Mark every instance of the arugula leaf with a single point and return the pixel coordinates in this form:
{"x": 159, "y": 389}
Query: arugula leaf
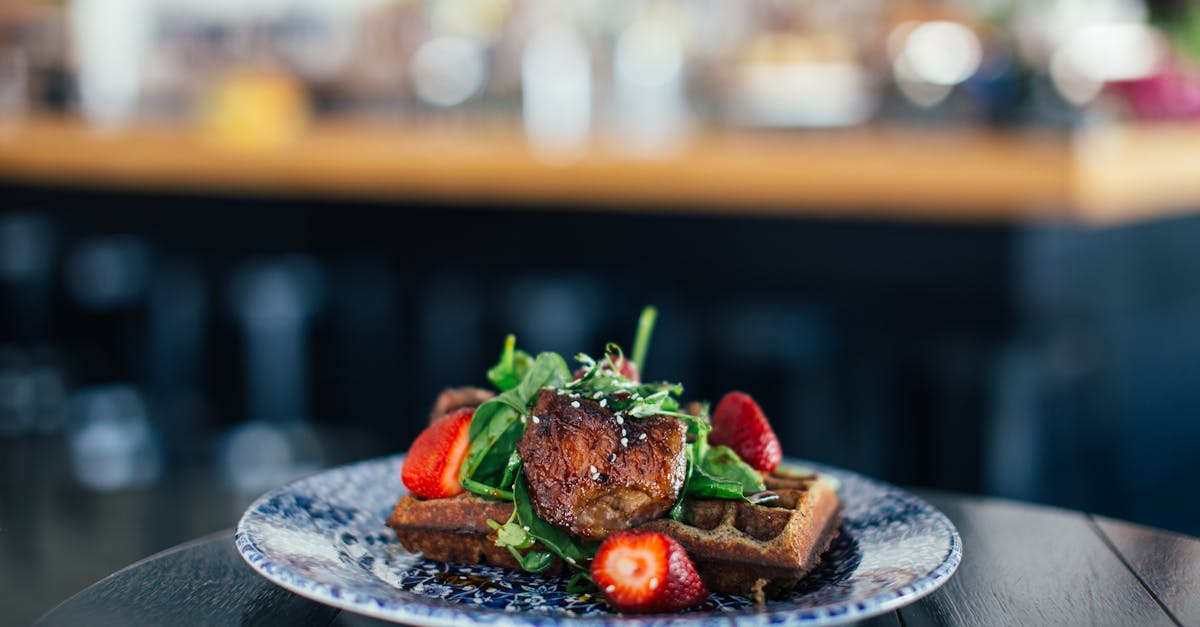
{"x": 489, "y": 467}
{"x": 574, "y": 551}
{"x": 512, "y": 366}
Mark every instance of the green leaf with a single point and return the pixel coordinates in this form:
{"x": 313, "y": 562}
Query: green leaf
{"x": 512, "y": 535}
{"x": 512, "y": 366}
{"x": 575, "y": 551}
{"x": 581, "y": 583}
{"x": 488, "y": 467}
{"x": 641, "y": 341}
{"x": 723, "y": 463}
{"x": 703, "y": 484}
{"x": 535, "y": 561}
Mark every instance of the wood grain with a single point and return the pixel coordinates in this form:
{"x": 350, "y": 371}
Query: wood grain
{"x": 201, "y": 582}
{"x": 1167, "y": 563}
{"x": 891, "y": 173}
{"x": 1100, "y": 176}
{"x": 1025, "y": 565}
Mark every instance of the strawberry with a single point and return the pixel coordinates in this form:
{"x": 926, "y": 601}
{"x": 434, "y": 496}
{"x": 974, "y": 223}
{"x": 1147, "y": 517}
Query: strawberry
{"x": 645, "y": 571}
{"x": 431, "y": 469}
{"x": 740, "y": 424}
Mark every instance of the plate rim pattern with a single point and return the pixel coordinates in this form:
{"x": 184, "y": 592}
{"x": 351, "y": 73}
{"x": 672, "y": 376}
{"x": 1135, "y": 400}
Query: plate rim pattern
{"x": 438, "y": 613}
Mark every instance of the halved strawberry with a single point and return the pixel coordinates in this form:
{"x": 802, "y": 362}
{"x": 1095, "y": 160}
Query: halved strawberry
{"x": 641, "y": 572}
{"x": 431, "y": 469}
{"x": 740, "y": 424}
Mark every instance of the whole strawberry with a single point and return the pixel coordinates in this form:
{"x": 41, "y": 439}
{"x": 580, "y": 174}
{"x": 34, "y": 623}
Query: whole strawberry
{"x": 642, "y": 572}
{"x": 740, "y": 424}
{"x": 431, "y": 469}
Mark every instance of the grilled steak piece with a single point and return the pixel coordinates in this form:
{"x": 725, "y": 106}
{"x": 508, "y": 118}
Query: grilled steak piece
{"x": 591, "y": 472}
{"x": 456, "y": 398}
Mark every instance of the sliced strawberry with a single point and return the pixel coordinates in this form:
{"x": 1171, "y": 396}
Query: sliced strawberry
{"x": 740, "y": 424}
{"x": 641, "y": 572}
{"x": 431, "y": 469}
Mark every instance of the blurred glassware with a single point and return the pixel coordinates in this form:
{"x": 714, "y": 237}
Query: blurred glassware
{"x": 26, "y": 261}
{"x": 649, "y": 87}
{"x": 556, "y": 91}
{"x": 110, "y": 40}
{"x": 113, "y": 445}
{"x": 257, "y": 456}
{"x": 274, "y": 302}
{"x": 26, "y": 247}
{"x": 14, "y": 87}
{"x": 448, "y": 70}
{"x": 107, "y": 273}
{"x": 930, "y": 58}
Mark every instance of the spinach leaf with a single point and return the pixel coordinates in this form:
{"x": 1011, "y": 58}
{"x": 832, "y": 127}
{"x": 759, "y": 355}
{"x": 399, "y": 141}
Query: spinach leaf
{"x": 512, "y": 535}
{"x": 511, "y": 368}
{"x": 723, "y": 463}
{"x": 488, "y": 467}
{"x": 575, "y": 551}
{"x": 581, "y": 583}
{"x": 714, "y": 471}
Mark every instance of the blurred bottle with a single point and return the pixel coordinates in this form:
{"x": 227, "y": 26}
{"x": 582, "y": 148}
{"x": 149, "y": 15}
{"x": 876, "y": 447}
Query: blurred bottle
{"x": 110, "y": 40}
{"x": 556, "y": 91}
{"x": 650, "y": 99}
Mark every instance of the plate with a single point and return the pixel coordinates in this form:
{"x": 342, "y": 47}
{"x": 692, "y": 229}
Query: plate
{"x": 323, "y": 537}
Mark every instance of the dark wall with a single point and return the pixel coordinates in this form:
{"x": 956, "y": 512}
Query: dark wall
{"x": 920, "y": 353}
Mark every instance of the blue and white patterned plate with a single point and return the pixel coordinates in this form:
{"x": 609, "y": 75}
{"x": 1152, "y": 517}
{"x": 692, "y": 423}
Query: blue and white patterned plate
{"x": 323, "y": 537}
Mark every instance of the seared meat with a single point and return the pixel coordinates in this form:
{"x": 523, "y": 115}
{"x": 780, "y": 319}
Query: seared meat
{"x": 456, "y": 398}
{"x": 591, "y": 472}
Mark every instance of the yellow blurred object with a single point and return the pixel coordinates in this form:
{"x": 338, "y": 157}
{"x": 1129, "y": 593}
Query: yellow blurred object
{"x": 256, "y": 110}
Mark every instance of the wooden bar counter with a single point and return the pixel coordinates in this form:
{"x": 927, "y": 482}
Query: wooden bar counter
{"x": 1103, "y": 176}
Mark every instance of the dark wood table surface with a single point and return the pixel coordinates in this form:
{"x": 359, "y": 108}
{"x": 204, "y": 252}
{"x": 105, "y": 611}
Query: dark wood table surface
{"x": 1023, "y": 565}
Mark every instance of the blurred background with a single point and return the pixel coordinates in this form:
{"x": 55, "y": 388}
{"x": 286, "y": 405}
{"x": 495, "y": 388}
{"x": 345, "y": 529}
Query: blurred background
{"x": 949, "y": 243}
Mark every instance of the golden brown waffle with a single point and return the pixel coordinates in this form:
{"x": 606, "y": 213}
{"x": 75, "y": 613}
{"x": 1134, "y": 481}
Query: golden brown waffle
{"x": 759, "y": 551}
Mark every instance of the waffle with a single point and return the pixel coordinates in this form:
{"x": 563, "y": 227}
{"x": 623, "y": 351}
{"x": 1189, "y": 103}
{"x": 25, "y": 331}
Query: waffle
{"x": 760, "y": 551}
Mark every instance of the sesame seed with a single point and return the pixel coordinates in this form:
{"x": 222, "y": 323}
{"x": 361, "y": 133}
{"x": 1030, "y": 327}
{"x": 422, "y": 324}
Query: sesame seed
{"x": 654, "y": 583}
{"x": 593, "y": 469}
{"x": 604, "y": 402}
{"x": 623, "y": 432}
{"x": 620, "y": 419}
{"x": 597, "y": 395}
{"x": 526, "y": 527}
{"x": 642, "y": 436}
{"x": 624, "y": 442}
{"x": 575, "y": 404}
{"x": 571, "y": 560}
{"x": 522, "y": 419}
{"x": 610, "y": 589}
{"x": 612, "y": 457}
{"x": 535, "y": 420}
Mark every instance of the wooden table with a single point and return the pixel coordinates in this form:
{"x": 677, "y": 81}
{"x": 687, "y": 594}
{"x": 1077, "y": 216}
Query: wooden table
{"x": 1100, "y": 176}
{"x": 1023, "y": 565}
